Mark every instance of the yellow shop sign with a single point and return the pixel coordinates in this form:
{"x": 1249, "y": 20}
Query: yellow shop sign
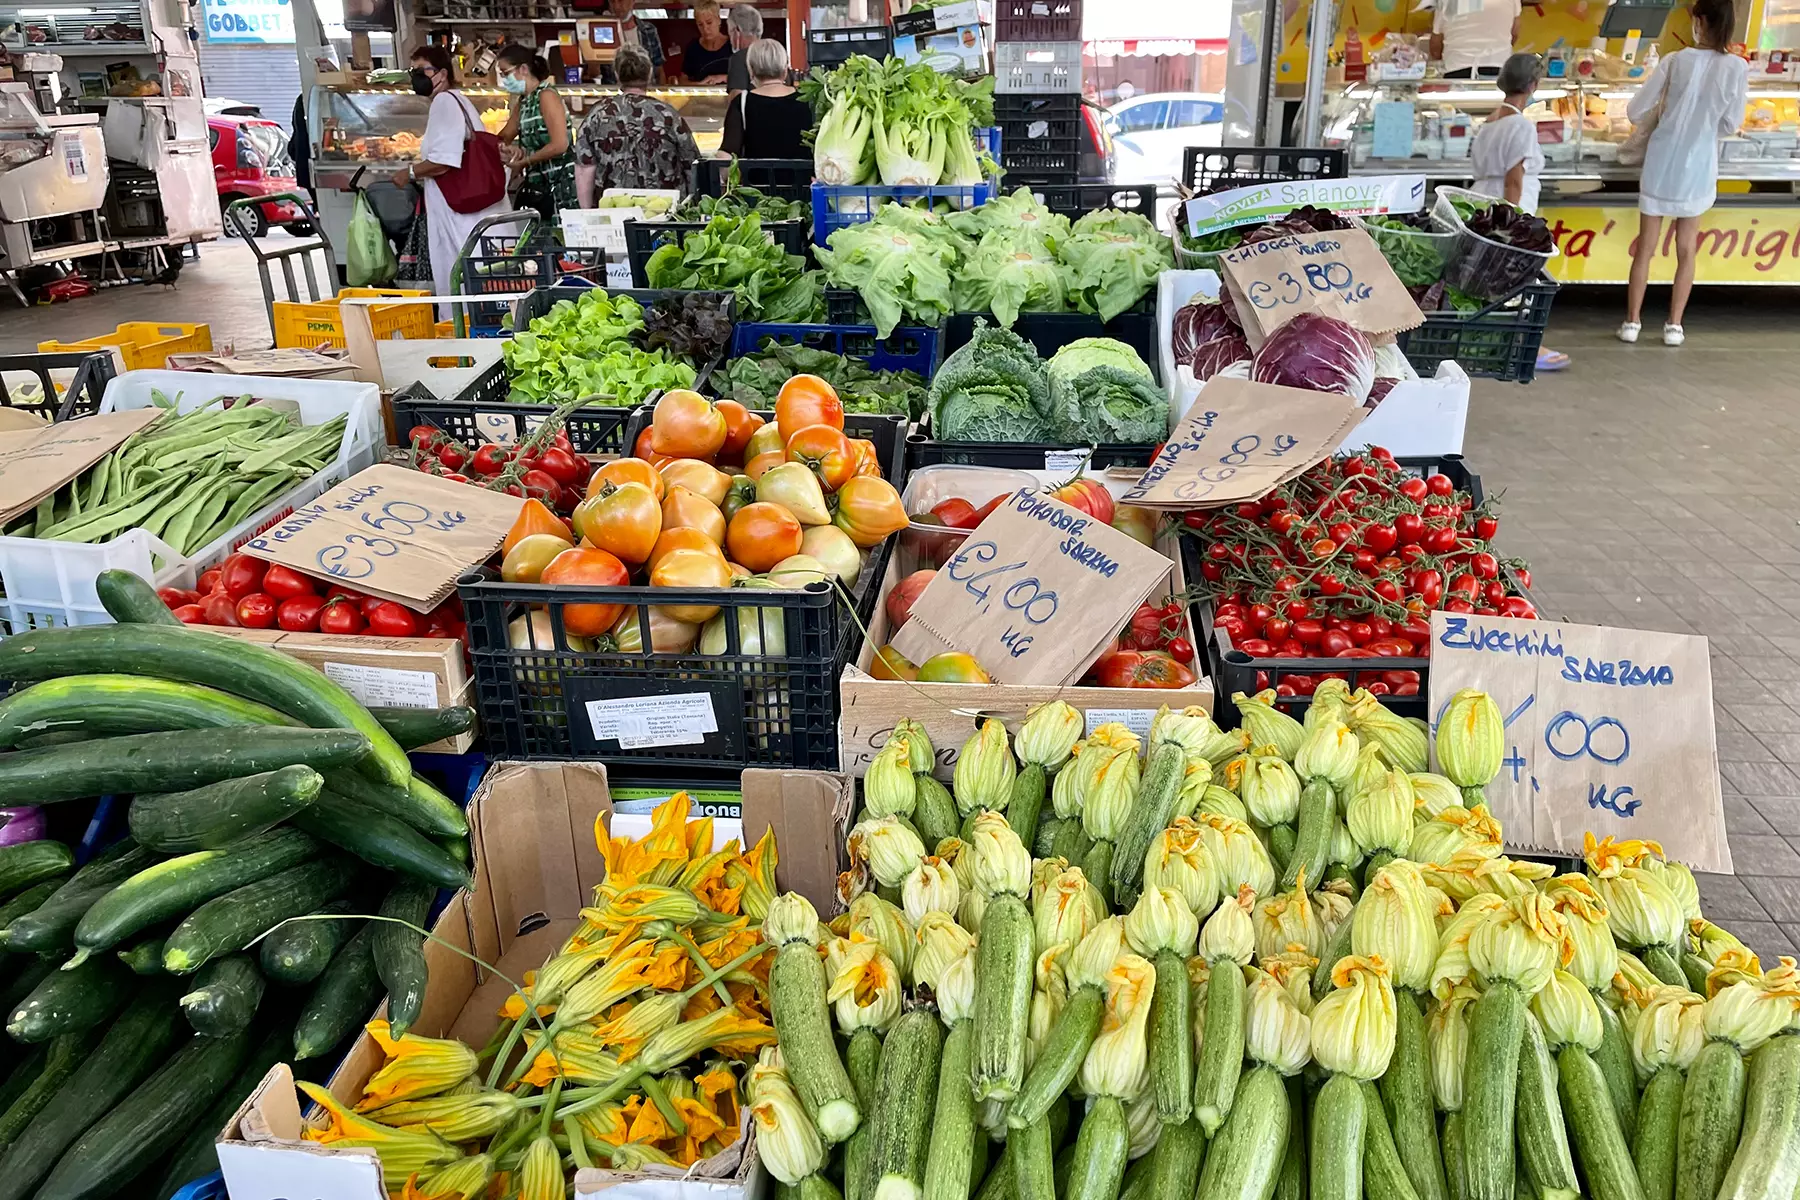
{"x": 1738, "y": 244}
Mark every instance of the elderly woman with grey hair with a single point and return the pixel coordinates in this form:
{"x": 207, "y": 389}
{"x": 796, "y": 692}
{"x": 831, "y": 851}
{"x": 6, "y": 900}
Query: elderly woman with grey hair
{"x": 770, "y": 119}
{"x": 630, "y": 139}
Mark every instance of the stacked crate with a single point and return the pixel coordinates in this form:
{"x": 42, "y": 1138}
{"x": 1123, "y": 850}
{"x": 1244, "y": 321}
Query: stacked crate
{"x": 1037, "y": 90}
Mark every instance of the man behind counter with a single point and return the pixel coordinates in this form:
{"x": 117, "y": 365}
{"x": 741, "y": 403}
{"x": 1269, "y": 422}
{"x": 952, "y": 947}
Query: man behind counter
{"x": 644, "y": 34}
{"x": 746, "y": 27}
{"x": 1474, "y": 37}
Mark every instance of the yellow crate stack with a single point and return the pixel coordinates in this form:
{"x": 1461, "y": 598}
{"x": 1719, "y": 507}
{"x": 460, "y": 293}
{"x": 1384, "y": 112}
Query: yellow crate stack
{"x": 310, "y": 326}
{"x": 144, "y": 345}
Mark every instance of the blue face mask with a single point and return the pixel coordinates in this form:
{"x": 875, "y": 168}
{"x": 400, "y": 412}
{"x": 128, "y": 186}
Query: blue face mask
{"x": 513, "y": 84}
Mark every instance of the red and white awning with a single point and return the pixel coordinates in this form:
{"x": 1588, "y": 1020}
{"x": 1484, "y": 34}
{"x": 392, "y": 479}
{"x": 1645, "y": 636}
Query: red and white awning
{"x": 1151, "y": 28}
{"x": 1156, "y": 47}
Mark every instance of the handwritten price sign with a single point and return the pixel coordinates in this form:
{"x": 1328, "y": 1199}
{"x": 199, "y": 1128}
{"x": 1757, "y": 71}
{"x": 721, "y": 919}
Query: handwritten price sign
{"x": 1608, "y": 730}
{"x": 394, "y": 533}
{"x": 1240, "y": 440}
{"x": 1340, "y": 273}
{"x": 1037, "y": 591}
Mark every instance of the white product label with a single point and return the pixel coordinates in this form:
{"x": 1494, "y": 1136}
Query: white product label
{"x": 1066, "y": 460}
{"x": 384, "y": 686}
{"x": 637, "y": 824}
{"x": 641, "y": 722}
{"x": 1135, "y": 719}
{"x": 74, "y": 158}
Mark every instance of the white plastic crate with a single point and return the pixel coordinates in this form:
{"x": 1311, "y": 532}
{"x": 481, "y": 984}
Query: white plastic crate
{"x": 52, "y": 583}
{"x": 1044, "y": 68}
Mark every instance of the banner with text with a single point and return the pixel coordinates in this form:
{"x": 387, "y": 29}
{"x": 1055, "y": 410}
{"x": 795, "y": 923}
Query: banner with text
{"x": 1363, "y": 196}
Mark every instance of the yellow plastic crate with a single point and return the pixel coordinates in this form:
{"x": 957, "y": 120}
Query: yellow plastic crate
{"x": 309, "y": 326}
{"x": 144, "y": 345}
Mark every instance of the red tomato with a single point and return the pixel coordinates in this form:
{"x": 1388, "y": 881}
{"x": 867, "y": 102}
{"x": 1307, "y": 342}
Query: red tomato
{"x": 489, "y": 460}
{"x": 209, "y": 580}
{"x": 1308, "y": 632}
{"x": 1334, "y": 643}
{"x": 1387, "y": 590}
{"x": 1486, "y": 527}
{"x": 1378, "y": 688}
{"x": 956, "y": 512}
{"x": 1303, "y": 685}
{"x": 981, "y": 514}
{"x": 1390, "y": 647}
{"x": 341, "y": 616}
{"x": 1494, "y": 592}
{"x": 219, "y": 609}
{"x": 256, "y": 611}
{"x": 1234, "y": 629}
{"x": 1439, "y": 485}
{"x": 1441, "y": 540}
{"x": 1181, "y": 650}
{"x": 1360, "y": 633}
{"x": 1414, "y": 489}
{"x": 1409, "y": 527}
{"x": 562, "y": 466}
{"x": 1518, "y": 606}
{"x": 1255, "y": 648}
{"x": 240, "y": 575}
{"x": 1141, "y": 669}
{"x": 1278, "y": 629}
{"x": 388, "y": 619}
{"x": 1466, "y": 586}
{"x": 1458, "y": 605}
{"x": 348, "y": 593}
{"x": 424, "y": 437}
{"x": 282, "y": 582}
{"x": 1257, "y": 616}
{"x": 1485, "y": 565}
{"x": 191, "y": 614}
{"x": 176, "y": 597}
{"x": 1297, "y": 610}
{"x": 299, "y": 614}
{"x": 452, "y": 456}
{"x": 1379, "y": 538}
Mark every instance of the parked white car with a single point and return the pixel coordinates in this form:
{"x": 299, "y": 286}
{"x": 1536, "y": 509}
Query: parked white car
{"x": 1152, "y": 132}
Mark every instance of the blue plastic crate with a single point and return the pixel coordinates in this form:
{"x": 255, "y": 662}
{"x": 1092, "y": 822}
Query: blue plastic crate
{"x": 906, "y": 349}
{"x": 835, "y": 206}
{"x": 209, "y": 1187}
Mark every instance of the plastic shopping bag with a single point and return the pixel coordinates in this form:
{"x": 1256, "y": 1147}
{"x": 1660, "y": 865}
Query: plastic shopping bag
{"x": 371, "y": 260}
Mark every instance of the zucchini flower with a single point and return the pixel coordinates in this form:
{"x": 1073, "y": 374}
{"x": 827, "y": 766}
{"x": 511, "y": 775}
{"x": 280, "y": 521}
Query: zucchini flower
{"x": 1065, "y": 787}
{"x": 470, "y": 1117}
{"x": 1596, "y": 957}
{"x": 1002, "y": 864}
{"x": 1334, "y": 695}
{"x": 1668, "y": 1030}
{"x": 985, "y": 770}
{"x": 1221, "y": 802}
{"x": 1680, "y": 882}
{"x": 1230, "y": 934}
{"x": 864, "y": 985}
{"x": 1117, "y": 1063}
{"x": 1634, "y": 976}
{"x": 1333, "y": 901}
{"x": 1380, "y": 818}
{"x": 1199, "y": 982}
{"x": 1287, "y": 919}
{"x": 730, "y": 1031}
{"x": 1196, "y": 783}
{"x": 416, "y": 1066}
{"x": 1049, "y": 994}
{"x": 955, "y": 990}
{"x": 1467, "y": 875}
{"x": 1432, "y": 794}
{"x": 1178, "y": 859}
{"x": 1192, "y": 729}
{"x": 1049, "y": 735}
{"x": 1064, "y": 909}
{"x": 403, "y": 1152}
{"x": 1453, "y": 831}
{"x": 1237, "y": 854}
{"x": 889, "y": 788}
{"x": 1094, "y": 955}
{"x": 1402, "y": 742}
{"x": 463, "y": 1180}
{"x": 785, "y": 1138}
{"x": 1713, "y": 940}
{"x": 890, "y": 847}
{"x": 1276, "y": 1032}
{"x": 1161, "y": 921}
{"x": 1394, "y": 922}
{"x": 1143, "y": 1128}
{"x": 1734, "y": 966}
{"x": 1453, "y": 965}
{"x": 1643, "y": 911}
{"x": 1329, "y": 752}
{"x": 1747, "y": 1014}
{"x": 930, "y": 887}
{"x": 541, "y": 1171}
{"x": 753, "y": 875}
{"x": 1568, "y": 1012}
{"x": 1293, "y": 970}
{"x": 1370, "y": 770}
{"x": 791, "y": 918}
{"x": 938, "y": 942}
{"x": 1447, "y": 1037}
{"x": 1354, "y": 1025}
{"x": 1268, "y": 786}
{"x": 1521, "y": 944}
{"x": 1268, "y": 725}
{"x": 1342, "y": 850}
{"x": 1471, "y": 741}
{"x": 1110, "y": 772}
{"x": 873, "y": 919}
{"x": 918, "y": 745}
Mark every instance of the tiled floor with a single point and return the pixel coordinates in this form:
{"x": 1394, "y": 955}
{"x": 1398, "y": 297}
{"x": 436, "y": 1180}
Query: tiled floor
{"x": 1655, "y": 488}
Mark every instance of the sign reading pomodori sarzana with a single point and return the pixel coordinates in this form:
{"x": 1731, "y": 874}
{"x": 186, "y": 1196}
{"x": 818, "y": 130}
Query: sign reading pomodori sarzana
{"x": 1737, "y": 244}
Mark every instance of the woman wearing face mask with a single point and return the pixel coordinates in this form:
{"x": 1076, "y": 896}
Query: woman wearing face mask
{"x": 541, "y": 152}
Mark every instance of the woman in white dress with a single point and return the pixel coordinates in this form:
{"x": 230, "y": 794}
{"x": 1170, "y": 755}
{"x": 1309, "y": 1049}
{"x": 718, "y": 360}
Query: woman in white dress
{"x": 1702, "y": 92}
{"x": 452, "y": 119}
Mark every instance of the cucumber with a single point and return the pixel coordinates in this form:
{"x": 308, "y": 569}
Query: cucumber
{"x": 299, "y": 951}
{"x": 1406, "y": 1089}
{"x": 399, "y": 952}
{"x": 1338, "y": 947}
{"x": 905, "y": 1091}
{"x": 1599, "y": 1142}
{"x": 345, "y": 997}
{"x": 1175, "y": 1161}
{"x": 1281, "y": 845}
{"x": 214, "y": 816}
{"x": 162, "y": 762}
{"x": 144, "y": 957}
{"x": 1456, "y": 1173}
{"x": 232, "y": 921}
{"x": 30, "y": 863}
{"x": 71, "y": 1000}
{"x": 26, "y": 974}
{"x": 863, "y": 1060}
{"x": 66, "y": 1054}
{"x": 1059, "y": 1058}
{"x": 1072, "y": 843}
{"x": 418, "y": 804}
{"x": 191, "y": 655}
{"x": 28, "y": 901}
{"x": 1543, "y": 1139}
{"x": 1100, "y": 1149}
{"x": 803, "y": 1029}
{"x": 225, "y": 996}
{"x": 1767, "y": 1162}
{"x": 128, "y": 599}
{"x": 180, "y": 885}
{"x": 1003, "y": 980}
{"x": 1614, "y": 1060}
{"x": 1043, "y": 843}
{"x": 1151, "y": 811}
{"x": 1384, "y": 1175}
{"x": 1491, "y": 1087}
{"x": 1222, "y": 1047}
{"x": 415, "y": 727}
{"x": 110, "y": 705}
{"x": 1097, "y": 864}
{"x": 380, "y": 840}
{"x": 950, "y": 1163}
{"x": 1712, "y": 1116}
{"x": 1026, "y": 803}
{"x": 50, "y": 928}
{"x": 134, "y": 1135}
{"x": 22, "y": 1075}
{"x": 1171, "y": 1040}
{"x": 133, "y": 1047}
{"x": 1339, "y": 1130}
{"x": 197, "y": 1155}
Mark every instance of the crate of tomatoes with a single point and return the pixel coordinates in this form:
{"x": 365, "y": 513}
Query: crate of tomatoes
{"x": 1336, "y": 574}
{"x": 543, "y": 466}
{"x": 247, "y": 593}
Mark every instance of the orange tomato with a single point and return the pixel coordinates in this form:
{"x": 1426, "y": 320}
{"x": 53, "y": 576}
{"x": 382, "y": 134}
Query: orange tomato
{"x": 645, "y": 445}
{"x": 622, "y": 519}
{"x": 826, "y": 452}
{"x": 761, "y": 535}
{"x": 690, "y": 569}
{"x": 868, "y": 510}
{"x": 807, "y": 400}
{"x": 759, "y": 465}
{"x": 740, "y": 425}
{"x": 533, "y": 518}
{"x": 867, "y": 461}
{"x": 954, "y": 667}
{"x": 587, "y": 568}
{"x": 682, "y": 539}
{"x": 526, "y": 561}
{"x": 687, "y": 425}
{"x": 682, "y": 509}
{"x": 889, "y": 663}
{"x": 627, "y": 470}
{"x": 703, "y": 479}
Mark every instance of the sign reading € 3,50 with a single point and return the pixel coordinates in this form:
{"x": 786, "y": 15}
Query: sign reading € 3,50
{"x": 1737, "y": 244}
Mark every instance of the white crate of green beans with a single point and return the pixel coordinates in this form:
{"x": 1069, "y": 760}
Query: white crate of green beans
{"x": 176, "y": 526}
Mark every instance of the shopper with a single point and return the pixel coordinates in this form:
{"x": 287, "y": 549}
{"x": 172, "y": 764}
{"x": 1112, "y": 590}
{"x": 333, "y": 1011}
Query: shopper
{"x": 1473, "y": 37}
{"x": 640, "y": 33}
{"x": 448, "y": 127}
{"x": 630, "y": 140}
{"x": 1506, "y": 156}
{"x": 746, "y": 28}
{"x": 1695, "y": 97}
{"x": 707, "y": 59}
{"x": 770, "y": 120}
{"x": 540, "y": 150}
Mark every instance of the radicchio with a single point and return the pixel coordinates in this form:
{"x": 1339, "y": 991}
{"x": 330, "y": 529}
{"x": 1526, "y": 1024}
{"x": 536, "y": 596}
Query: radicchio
{"x": 1196, "y": 323}
{"x": 1379, "y": 389}
{"x": 1320, "y": 353}
{"x": 1212, "y": 357}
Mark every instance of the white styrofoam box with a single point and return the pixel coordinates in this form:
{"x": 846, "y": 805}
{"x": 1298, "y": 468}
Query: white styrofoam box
{"x": 602, "y": 227}
{"x": 1419, "y": 417}
{"x": 1173, "y": 291}
{"x": 1041, "y": 67}
{"x": 52, "y": 583}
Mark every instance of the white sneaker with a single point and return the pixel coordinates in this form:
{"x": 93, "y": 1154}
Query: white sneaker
{"x": 1628, "y": 332}
{"x": 1673, "y": 335}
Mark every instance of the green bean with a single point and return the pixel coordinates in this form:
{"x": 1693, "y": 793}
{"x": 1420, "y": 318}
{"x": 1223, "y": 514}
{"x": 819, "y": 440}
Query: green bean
{"x": 204, "y": 519}
{"x": 118, "y": 522}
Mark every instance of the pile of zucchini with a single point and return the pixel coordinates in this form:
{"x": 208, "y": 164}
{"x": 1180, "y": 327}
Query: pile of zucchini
{"x": 149, "y": 991}
{"x": 1285, "y": 960}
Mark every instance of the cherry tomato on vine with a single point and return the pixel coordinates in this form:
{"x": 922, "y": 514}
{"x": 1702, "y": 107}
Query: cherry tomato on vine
{"x": 1334, "y": 642}
{"x": 1414, "y": 489}
{"x": 1486, "y": 527}
{"x": 1439, "y": 485}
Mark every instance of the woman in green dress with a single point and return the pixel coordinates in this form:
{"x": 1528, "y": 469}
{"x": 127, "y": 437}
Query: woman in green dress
{"x": 541, "y": 156}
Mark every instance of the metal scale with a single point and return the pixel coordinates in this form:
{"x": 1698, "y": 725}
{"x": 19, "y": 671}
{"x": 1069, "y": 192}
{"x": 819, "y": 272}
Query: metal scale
{"x": 53, "y": 178}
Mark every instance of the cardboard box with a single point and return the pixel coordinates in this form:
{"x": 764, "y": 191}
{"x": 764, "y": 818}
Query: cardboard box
{"x": 945, "y": 16}
{"x": 536, "y": 864}
{"x": 327, "y": 362}
{"x": 950, "y": 712}
{"x": 958, "y": 51}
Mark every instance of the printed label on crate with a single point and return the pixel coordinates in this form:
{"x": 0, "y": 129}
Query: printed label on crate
{"x": 634, "y": 808}
{"x": 641, "y": 722}
{"x": 1135, "y": 719}
{"x": 394, "y": 533}
{"x": 384, "y": 686}
{"x": 35, "y": 462}
{"x": 1240, "y": 440}
{"x": 1362, "y": 196}
{"x": 1606, "y": 730}
{"x": 1037, "y": 591}
{"x": 502, "y": 428}
{"x": 1070, "y": 461}
{"x": 1340, "y": 273}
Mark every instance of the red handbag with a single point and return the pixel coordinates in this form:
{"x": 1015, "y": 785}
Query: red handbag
{"x": 481, "y": 180}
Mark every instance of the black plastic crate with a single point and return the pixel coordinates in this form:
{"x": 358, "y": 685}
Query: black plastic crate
{"x": 1075, "y": 200}
{"x": 887, "y": 431}
{"x": 80, "y": 398}
{"x": 642, "y": 238}
{"x": 922, "y": 451}
{"x": 1205, "y": 168}
{"x": 1040, "y": 136}
{"x": 829, "y": 47}
{"x": 1037, "y": 21}
{"x": 1501, "y": 341}
{"x": 481, "y": 413}
{"x": 788, "y": 178}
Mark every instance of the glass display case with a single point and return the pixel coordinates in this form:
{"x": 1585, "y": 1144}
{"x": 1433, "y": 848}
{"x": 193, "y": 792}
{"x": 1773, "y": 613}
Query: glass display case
{"x": 24, "y": 138}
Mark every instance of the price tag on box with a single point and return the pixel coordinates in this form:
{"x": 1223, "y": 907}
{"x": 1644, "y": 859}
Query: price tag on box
{"x": 1340, "y": 274}
{"x": 1037, "y": 591}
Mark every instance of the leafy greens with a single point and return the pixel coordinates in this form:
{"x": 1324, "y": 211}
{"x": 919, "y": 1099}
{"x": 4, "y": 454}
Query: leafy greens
{"x": 995, "y": 388}
{"x": 587, "y": 347}
{"x": 896, "y": 123}
{"x": 1113, "y": 390}
{"x": 755, "y": 380}
{"x": 900, "y": 262}
{"x": 734, "y": 254}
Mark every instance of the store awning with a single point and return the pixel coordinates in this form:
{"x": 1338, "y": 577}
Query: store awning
{"x": 1149, "y": 28}
{"x": 1156, "y": 47}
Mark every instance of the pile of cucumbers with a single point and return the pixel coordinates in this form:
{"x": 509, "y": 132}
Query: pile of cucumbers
{"x": 148, "y": 992}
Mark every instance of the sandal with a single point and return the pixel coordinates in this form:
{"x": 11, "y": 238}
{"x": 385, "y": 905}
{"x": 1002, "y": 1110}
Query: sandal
{"x": 1552, "y": 360}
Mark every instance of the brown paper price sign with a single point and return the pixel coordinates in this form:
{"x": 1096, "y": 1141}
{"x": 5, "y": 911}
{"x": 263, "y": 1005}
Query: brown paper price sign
{"x": 1035, "y": 594}
{"x": 35, "y": 462}
{"x": 1241, "y": 440}
{"x": 1607, "y": 730}
{"x": 1339, "y": 274}
{"x": 398, "y": 534}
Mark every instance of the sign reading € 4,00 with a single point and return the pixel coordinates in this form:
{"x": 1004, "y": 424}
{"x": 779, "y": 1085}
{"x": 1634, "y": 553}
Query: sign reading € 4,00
{"x": 1737, "y": 244}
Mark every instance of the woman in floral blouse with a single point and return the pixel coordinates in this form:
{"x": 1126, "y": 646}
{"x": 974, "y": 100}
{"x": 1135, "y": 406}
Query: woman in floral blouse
{"x": 629, "y": 139}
